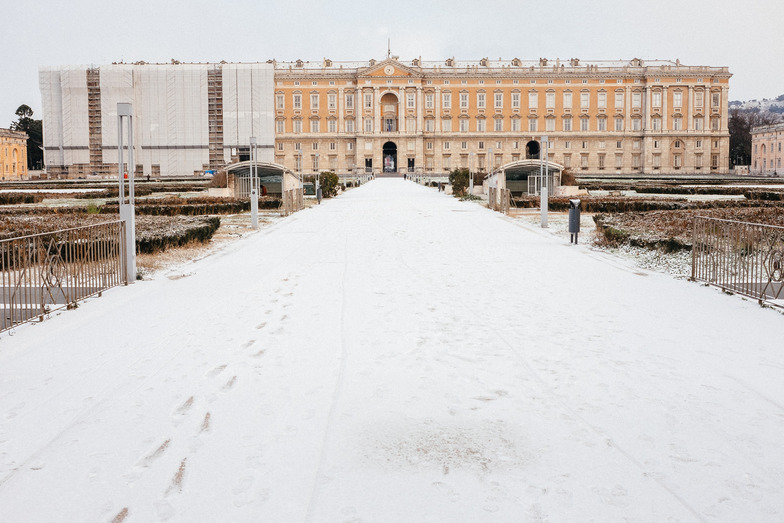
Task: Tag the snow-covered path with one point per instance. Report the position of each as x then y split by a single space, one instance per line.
397 355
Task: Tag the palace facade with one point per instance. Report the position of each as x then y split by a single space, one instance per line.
429 117
766 153
600 117
13 155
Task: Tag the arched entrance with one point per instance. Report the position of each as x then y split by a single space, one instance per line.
389 122
389 157
532 150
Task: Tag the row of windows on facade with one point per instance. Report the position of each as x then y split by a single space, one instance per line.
466 162
764 149
765 165
514 81
481 145
498 100
480 125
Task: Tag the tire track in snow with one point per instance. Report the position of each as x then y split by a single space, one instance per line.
605 437
314 493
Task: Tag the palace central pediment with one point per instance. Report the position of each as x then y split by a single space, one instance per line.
389 68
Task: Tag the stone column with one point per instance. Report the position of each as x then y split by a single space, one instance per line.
646 104
376 112
665 109
341 108
419 110
401 109
437 108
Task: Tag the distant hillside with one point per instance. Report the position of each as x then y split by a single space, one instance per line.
774 107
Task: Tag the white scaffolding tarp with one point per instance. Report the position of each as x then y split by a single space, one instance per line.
170 109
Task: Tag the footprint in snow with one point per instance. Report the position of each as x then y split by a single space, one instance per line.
217 370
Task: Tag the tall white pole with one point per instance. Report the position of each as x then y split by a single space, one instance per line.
543 180
127 203
254 193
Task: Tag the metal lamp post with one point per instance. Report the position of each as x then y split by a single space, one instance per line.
543 201
127 200
254 193
471 169
318 179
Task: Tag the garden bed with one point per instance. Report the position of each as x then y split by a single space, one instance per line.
153 233
672 230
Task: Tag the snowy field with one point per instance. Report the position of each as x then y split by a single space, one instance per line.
396 355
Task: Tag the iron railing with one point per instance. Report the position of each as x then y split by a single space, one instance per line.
292 201
44 272
739 257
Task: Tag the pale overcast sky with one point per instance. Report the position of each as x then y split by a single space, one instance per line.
747 36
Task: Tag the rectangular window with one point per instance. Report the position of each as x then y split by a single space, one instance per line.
715 99
619 124
698 144
464 125
446 125
333 163
314 126
657 161
636 161
349 126
656 124
498 125
297 101
515 100
567 144
429 146
567 124
429 101
314 146
314 101
410 100
481 126
656 99
480 100
464 100
584 124
350 101
430 125
699 98
619 100
585 101
583 161
601 161
447 162
333 146
676 161
297 126
280 146
532 125
516 125
498 100
567 100
602 124
315 163
567 160
446 100
549 124
350 146
698 161
368 125
677 99
618 161
636 124
332 126
464 145
280 101
280 126
715 122
410 125
550 100
533 100
636 100
368 100
332 101
677 123
602 101
699 123
446 146
618 144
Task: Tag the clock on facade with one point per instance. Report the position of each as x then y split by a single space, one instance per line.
389 70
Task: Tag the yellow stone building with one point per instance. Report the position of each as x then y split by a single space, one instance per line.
13 155
625 117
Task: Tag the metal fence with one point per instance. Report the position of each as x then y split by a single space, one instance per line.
740 257
45 272
499 199
292 201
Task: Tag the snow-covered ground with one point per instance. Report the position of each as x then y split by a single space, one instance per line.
395 354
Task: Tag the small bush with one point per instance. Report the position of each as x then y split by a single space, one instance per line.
459 180
329 184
